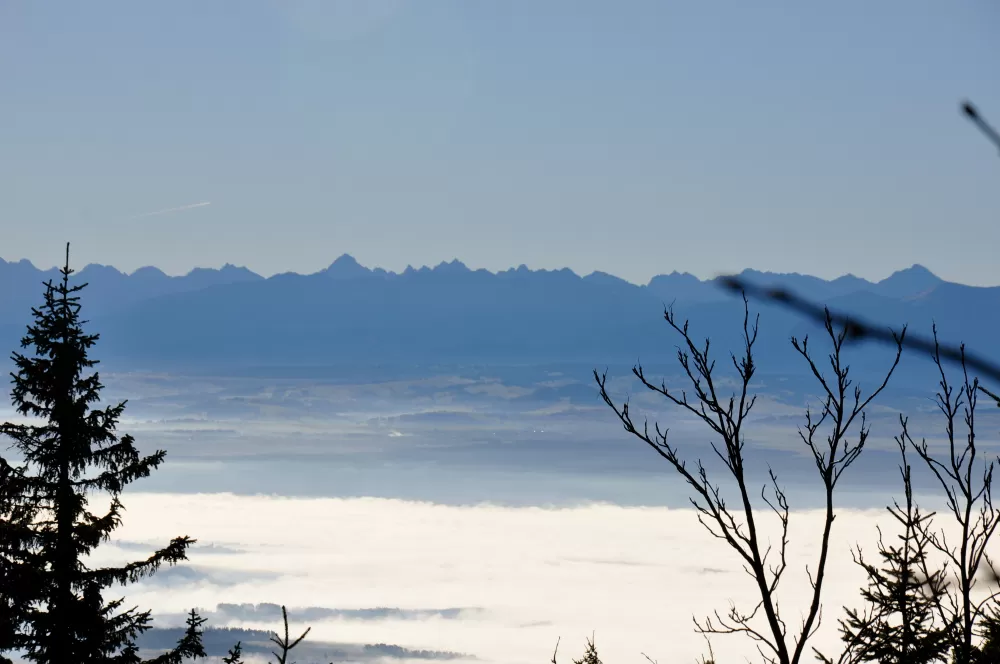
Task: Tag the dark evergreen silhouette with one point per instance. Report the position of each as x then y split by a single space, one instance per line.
988 651
966 478
285 643
19 565
191 643
590 656
902 621
938 613
235 655
56 612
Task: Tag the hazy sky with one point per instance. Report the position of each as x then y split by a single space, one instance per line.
631 137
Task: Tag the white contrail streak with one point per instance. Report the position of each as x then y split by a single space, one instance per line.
173 209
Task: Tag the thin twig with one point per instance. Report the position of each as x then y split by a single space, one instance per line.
841 410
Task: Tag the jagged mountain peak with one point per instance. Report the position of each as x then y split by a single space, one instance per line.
915 271
454 266
346 267
909 282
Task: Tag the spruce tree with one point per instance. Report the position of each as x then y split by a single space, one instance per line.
988 652
235 655
190 643
57 612
903 622
18 568
590 656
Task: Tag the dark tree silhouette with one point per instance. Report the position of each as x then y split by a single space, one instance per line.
190 643
833 442
901 622
988 651
285 643
235 655
589 655
969 501
19 564
59 615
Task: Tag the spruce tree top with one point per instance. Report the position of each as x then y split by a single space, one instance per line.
72 451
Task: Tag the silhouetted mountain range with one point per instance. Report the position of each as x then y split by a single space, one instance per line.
109 289
347 313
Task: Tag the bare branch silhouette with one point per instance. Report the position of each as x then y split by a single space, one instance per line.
832 452
903 620
969 501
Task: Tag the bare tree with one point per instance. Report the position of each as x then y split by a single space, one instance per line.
902 622
835 436
969 500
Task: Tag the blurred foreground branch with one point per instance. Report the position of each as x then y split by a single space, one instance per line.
859 330
973 115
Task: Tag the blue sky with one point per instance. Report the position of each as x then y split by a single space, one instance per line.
631 137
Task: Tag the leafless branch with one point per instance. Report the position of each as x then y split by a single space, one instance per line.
969 501
725 416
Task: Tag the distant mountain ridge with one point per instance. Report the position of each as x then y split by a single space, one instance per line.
347 267
350 313
21 284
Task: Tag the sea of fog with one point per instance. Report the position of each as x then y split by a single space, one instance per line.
492 583
477 514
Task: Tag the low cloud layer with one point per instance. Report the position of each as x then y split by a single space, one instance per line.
633 575
268 611
257 646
